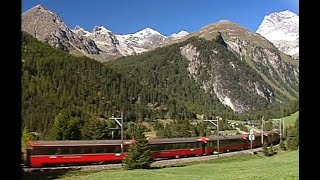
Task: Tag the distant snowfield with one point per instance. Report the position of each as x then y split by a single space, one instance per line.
282 29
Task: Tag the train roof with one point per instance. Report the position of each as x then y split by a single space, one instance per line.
211 138
174 140
151 141
78 142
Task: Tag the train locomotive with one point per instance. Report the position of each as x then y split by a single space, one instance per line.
81 152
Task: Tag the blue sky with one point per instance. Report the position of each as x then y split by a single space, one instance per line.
166 16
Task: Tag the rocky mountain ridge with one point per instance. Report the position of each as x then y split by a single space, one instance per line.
282 29
101 44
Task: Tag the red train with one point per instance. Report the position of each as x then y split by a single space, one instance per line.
62 153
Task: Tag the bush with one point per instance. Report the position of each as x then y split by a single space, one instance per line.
265 150
271 150
283 145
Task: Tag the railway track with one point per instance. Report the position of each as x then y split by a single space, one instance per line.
158 163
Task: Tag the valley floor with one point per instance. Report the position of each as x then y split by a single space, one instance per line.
284 165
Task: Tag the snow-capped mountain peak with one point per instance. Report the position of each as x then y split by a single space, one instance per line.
41 8
79 30
284 14
147 32
101 29
179 34
282 29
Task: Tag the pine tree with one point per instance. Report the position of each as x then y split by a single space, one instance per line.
65 128
293 136
139 153
26 137
95 128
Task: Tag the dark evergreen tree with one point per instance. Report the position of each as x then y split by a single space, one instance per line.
293 136
95 128
139 153
66 127
28 136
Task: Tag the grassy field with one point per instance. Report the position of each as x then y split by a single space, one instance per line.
281 166
290 120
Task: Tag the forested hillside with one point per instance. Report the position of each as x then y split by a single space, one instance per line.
150 86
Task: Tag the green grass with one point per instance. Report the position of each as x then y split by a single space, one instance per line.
290 120
281 166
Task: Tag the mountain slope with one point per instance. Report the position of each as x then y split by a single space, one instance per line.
48 27
279 70
282 29
220 71
179 81
54 81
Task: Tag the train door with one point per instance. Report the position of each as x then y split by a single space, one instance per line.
203 148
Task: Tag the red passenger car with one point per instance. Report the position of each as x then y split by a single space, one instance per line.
51 153
226 143
176 147
61 153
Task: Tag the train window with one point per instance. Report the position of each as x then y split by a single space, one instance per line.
161 147
87 150
117 149
194 145
157 147
224 143
65 150
44 151
58 151
198 145
76 150
213 143
176 146
169 146
109 149
153 147
100 149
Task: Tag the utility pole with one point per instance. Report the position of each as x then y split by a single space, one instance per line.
280 128
251 142
217 125
122 133
280 122
121 125
283 132
262 123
